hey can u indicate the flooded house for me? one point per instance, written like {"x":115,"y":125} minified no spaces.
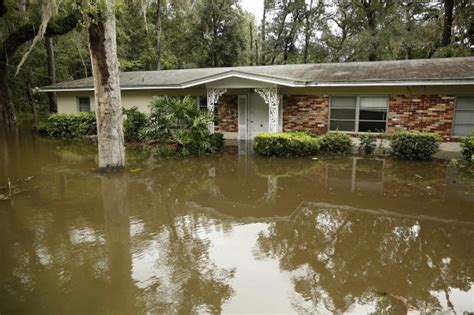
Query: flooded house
{"x":432,"y":95}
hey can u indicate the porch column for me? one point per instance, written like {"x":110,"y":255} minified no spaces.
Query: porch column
{"x":270,"y":96}
{"x":212,"y":99}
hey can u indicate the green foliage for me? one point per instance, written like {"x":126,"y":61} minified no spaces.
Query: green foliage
{"x":336,"y":142}
{"x":414,"y":145}
{"x":368,"y":143}
{"x":467,"y":146}
{"x":133,"y":123}
{"x":286,"y":144}
{"x":180,"y":122}
{"x":68,"y":126}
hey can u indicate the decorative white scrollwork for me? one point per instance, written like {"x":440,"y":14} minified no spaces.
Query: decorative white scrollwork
{"x":213,"y":96}
{"x":270,"y":96}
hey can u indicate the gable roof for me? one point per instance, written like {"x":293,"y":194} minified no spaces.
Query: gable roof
{"x":442,"y":71}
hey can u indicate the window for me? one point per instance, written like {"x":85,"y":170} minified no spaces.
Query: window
{"x":84,"y":104}
{"x":464,"y":116}
{"x":202,"y":102}
{"x":358,"y":113}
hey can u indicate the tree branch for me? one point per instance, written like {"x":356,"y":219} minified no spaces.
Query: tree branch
{"x":57,"y":26}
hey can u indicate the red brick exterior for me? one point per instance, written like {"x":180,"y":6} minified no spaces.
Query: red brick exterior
{"x":306,"y":112}
{"x":227,"y":112}
{"x":429,"y":113}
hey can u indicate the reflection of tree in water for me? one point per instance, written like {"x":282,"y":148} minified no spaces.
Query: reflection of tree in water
{"x":344,"y":257}
{"x":185,"y":279}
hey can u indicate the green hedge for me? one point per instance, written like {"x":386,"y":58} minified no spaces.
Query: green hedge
{"x":414,"y":145}
{"x":68,"y":125}
{"x":336,"y":142}
{"x":286,"y":144}
{"x":467,"y":146}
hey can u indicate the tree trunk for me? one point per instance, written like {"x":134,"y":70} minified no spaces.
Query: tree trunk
{"x":371,"y":25}
{"x":307,"y":32}
{"x":105,"y":69}
{"x":252,"y":53}
{"x":7,"y":111}
{"x":264,"y":17}
{"x":448,"y":22}
{"x":31,"y":98}
{"x":53,"y":104}
{"x":158,"y":34}
{"x":256,"y":52}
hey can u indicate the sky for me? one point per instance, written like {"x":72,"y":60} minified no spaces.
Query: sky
{"x":254,"y":6}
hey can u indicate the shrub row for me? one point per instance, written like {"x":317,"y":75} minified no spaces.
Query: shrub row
{"x":68,"y":125}
{"x":414,"y":145}
{"x":405,"y":145}
{"x":467,"y":146}
{"x":286,"y":144}
{"x":177,"y":126}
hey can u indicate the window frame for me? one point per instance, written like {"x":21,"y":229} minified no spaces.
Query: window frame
{"x":357,"y":114}
{"x":78,"y":100}
{"x":453,"y":123}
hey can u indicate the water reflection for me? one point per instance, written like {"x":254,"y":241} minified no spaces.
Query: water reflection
{"x":232,"y":233}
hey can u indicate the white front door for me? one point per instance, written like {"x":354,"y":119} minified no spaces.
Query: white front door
{"x":257,"y":116}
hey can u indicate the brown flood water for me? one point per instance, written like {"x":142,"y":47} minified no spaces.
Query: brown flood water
{"x":231,"y":233}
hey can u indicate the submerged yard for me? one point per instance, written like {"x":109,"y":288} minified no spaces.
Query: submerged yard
{"x":231,"y":233}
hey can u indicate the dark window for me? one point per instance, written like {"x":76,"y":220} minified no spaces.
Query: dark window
{"x":343,"y":113}
{"x":84,"y":104}
{"x":361,"y":114}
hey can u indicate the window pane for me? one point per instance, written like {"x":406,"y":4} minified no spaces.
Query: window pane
{"x":373,"y":115}
{"x":372,"y":126}
{"x":465,"y":102}
{"x":463,"y":130}
{"x":373,"y":102}
{"x":343,"y":101}
{"x":342,"y":125}
{"x":464,"y":117}
{"x":343,"y":114}
{"x":84,"y":104}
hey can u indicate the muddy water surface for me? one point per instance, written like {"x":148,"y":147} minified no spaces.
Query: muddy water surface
{"x":231,"y":233}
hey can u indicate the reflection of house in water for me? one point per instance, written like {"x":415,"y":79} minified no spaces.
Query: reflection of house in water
{"x":365,"y":175}
{"x":256,"y":187}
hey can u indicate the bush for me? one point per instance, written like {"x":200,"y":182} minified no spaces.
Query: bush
{"x":133,"y":123}
{"x":368,"y":143}
{"x":68,"y":125}
{"x":286,"y":144}
{"x":414,"y":145}
{"x":336,"y":142}
{"x":467,"y":146}
{"x":180,"y":123}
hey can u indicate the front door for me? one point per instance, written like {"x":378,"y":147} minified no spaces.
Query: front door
{"x":258,"y":116}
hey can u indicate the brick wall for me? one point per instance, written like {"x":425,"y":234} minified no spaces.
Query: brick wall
{"x":306,"y":112}
{"x":429,"y":113}
{"x":227,"y":112}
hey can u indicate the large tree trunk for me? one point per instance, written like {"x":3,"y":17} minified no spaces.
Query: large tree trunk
{"x":7,"y":111}
{"x":448,"y":22}
{"x":105,"y":69}
{"x":53,"y":103}
{"x":158,"y":34}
